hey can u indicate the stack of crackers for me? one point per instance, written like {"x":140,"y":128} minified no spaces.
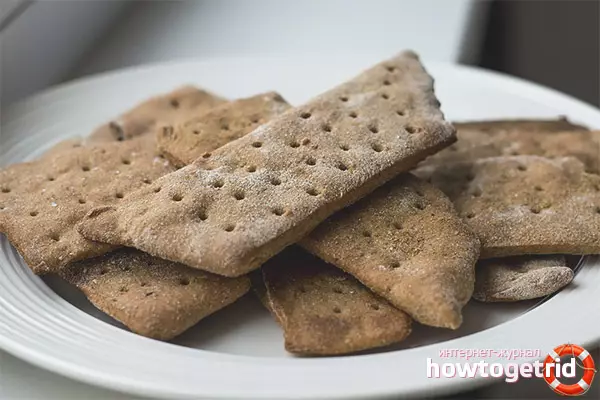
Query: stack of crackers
{"x":178,"y":207}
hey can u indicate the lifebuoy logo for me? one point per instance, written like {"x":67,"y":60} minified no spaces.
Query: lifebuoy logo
{"x":552,"y":370}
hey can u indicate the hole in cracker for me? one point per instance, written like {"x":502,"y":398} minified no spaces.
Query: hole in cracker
{"x":225,"y":127}
{"x":218,"y":184}
{"x":294,"y":144}
{"x":411,"y":129}
{"x":126,"y":268}
{"x":311,"y":161}
{"x":196,"y":132}
{"x":312,"y":191}
{"x":538,"y":188}
{"x":373,"y":129}
{"x":366,"y":234}
{"x":375,"y":307}
{"x":400,"y":113}
{"x":206,"y":155}
{"x":302,"y":289}
{"x":251,"y":168}
{"x":143,"y":284}
{"x":326,"y":127}
{"x":342,"y":167}
{"x":157,"y":189}
{"x":385,"y":96}
{"x":306,"y":141}
{"x":387,"y":83}
{"x":126,"y":161}
{"x":397,"y":225}
{"x":522,"y":168}
{"x":202,"y":215}
{"x":81,"y":201}
{"x":337,"y":310}
{"x":34,"y":213}
{"x":535,"y":209}
{"x":119,"y":195}
{"x":85,"y":168}
{"x":177,"y":197}
{"x":239,"y":195}
{"x":254,"y":120}
{"x":51,"y":179}
{"x":344,"y":98}
{"x":377,"y":147}
{"x":305,"y":115}
{"x":229,"y":228}
{"x":174,"y":103}
{"x":184,"y":281}
{"x":278,"y":211}
{"x":598,"y":210}
{"x":338,"y":290}
{"x":345,"y":147}
{"x":470,"y":215}
{"x":103,"y":271}
{"x":275,"y":181}
{"x":394,"y":264}
{"x":353,"y":114}
{"x":390,"y":68}
{"x":124,"y":289}
{"x":477,"y":192}
{"x":149,"y":294}
{"x":147,"y":181}
{"x":257,"y":144}
{"x":470,"y":176}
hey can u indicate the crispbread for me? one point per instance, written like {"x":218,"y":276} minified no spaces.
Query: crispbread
{"x":153,"y":297}
{"x":230,"y":212}
{"x":521,"y":278}
{"x":524,"y":204}
{"x":42,"y":201}
{"x":324,"y":311}
{"x":186,"y":141}
{"x":552,"y":138}
{"x":163,"y":109}
{"x":406,"y":243}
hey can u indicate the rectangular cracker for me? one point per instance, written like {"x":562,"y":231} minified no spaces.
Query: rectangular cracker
{"x":324,"y":311}
{"x":251,"y":198}
{"x":406,"y":243}
{"x":152,"y":297}
{"x":524,"y":204}
{"x":548,"y":138}
{"x":164,"y":109}
{"x":42,"y":201}
{"x":188,"y":140}
{"x":521,"y":278}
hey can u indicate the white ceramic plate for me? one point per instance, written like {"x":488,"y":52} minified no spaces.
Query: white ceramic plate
{"x":238,"y":353}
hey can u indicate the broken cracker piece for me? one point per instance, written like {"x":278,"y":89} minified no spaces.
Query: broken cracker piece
{"x":164,"y":109}
{"x":324,"y":311}
{"x":251,"y":198}
{"x":185,"y":142}
{"x":524,"y":204}
{"x":42,"y":201}
{"x":521,"y":278}
{"x":406,"y":243}
{"x":152,"y":297}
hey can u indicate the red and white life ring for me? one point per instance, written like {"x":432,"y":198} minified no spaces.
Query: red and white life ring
{"x":584,"y":383}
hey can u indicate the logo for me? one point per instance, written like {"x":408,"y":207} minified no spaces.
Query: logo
{"x":552,"y":369}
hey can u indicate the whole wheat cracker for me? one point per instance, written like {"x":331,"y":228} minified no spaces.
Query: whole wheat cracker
{"x":521,"y":278}
{"x":230,"y":212}
{"x":524,"y":204}
{"x":553,"y":138}
{"x":148,"y":115}
{"x":406,"y":243}
{"x":152,"y":297}
{"x":42,"y":201}
{"x":188,"y":140}
{"x":324,"y":311}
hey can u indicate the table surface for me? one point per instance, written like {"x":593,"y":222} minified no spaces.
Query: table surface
{"x":157,"y":31}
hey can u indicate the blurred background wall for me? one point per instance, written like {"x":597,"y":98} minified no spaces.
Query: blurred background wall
{"x":552,"y":42}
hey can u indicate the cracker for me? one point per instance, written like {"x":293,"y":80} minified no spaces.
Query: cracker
{"x":251,"y":198}
{"x":324,"y":311}
{"x":524,"y":204}
{"x":152,"y":297}
{"x":42,"y":201}
{"x":552,"y":138}
{"x":406,"y":243}
{"x":189,"y":140}
{"x":164,"y":109}
{"x":521,"y":278}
